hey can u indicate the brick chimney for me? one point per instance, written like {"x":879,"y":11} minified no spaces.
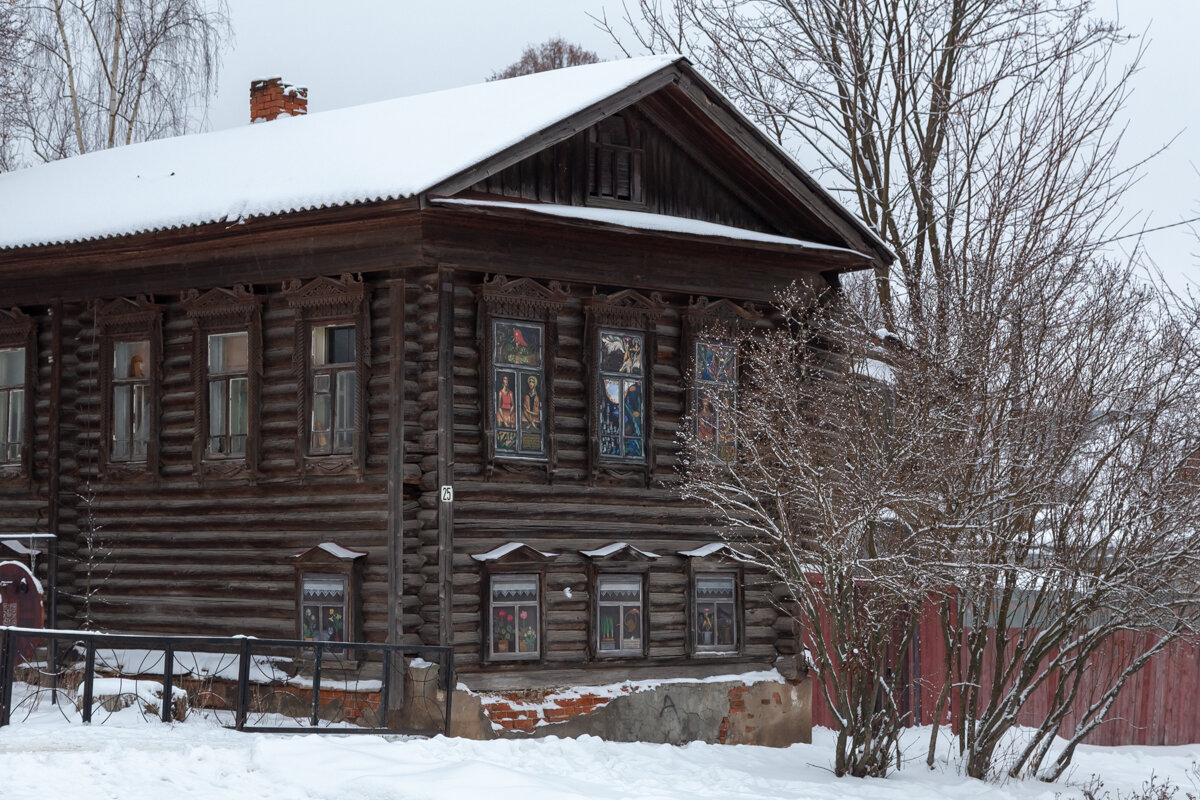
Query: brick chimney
{"x":271,"y":98}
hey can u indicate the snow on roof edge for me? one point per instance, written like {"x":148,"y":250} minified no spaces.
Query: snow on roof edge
{"x":646,"y":221}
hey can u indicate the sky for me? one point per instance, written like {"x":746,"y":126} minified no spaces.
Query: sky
{"x":359,"y":51}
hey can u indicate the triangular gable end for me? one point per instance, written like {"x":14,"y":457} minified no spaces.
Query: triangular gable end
{"x":740,"y":177}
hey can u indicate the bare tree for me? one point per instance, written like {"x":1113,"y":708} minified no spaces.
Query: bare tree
{"x":810,"y":496}
{"x":103,"y":73}
{"x":980,"y":139}
{"x":554,"y":53}
{"x":959,"y":131}
{"x":13,"y":55}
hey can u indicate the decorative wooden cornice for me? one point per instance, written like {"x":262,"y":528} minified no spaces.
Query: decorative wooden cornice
{"x":238,"y":303}
{"x":125,"y":316}
{"x":523,"y":298}
{"x":626,"y":309}
{"x":15,"y":326}
{"x":702,"y":312}
{"x":335,"y":295}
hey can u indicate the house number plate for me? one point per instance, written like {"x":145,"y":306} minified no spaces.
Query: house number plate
{"x":447,"y":494}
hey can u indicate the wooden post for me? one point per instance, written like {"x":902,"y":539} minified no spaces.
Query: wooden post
{"x":395,"y":489}
{"x":445,"y":457}
{"x":54,"y":446}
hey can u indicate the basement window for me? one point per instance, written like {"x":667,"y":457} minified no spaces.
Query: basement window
{"x":619,"y":618}
{"x":715,"y":613}
{"x":515,"y":617}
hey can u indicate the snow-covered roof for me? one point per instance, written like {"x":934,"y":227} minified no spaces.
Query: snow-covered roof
{"x":616,"y":547}
{"x":641,"y":220}
{"x":381,"y":151}
{"x":505,"y":549}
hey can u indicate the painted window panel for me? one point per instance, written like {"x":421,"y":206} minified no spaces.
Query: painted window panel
{"x":715,"y":390}
{"x":515,"y":616}
{"x":622,"y":389}
{"x":619,"y":629}
{"x":716,"y":612}
{"x":518,"y":388}
{"x":131,"y":400}
{"x":323,"y":608}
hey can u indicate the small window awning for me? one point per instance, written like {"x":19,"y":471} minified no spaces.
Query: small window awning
{"x":617,"y":548}
{"x":334,"y":549}
{"x":513,"y":550}
{"x":715,"y":549}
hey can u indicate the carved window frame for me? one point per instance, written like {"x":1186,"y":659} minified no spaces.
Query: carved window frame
{"x":519,"y":300}
{"x":524,"y":562}
{"x":715,"y":565}
{"x":330,"y":301}
{"x":634,"y":151}
{"x":627,"y":562}
{"x":632,"y":312}
{"x":719,"y":322}
{"x":18,"y":331}
{"x":218,"y":311}
{"x":125,"y":320}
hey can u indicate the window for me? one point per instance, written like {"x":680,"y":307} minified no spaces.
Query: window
{"x":334,"y":367}
{"x":716,"y":390}
{"x":331,"y":357}
{"x":621,"y":413}
{"x":619,"y":615}
{"x":615,"y":160}
{"x":228,"y":394}
{"x":518,"y":388}
{"x":715,"y":620}
{"x":323,"y":610}
{"x":130,"y":400}
{"x":515,"y":621}
{"x":12,"y":404}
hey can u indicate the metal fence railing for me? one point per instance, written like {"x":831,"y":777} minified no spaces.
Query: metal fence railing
{"x":258,"y":685}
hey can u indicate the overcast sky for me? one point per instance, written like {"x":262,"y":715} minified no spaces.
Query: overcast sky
{"x":358,"y":51}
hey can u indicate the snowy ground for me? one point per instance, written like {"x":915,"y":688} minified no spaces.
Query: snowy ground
{"x":129,"y":758}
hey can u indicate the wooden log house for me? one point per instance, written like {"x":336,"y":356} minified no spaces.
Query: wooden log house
{"x":439,"y":348}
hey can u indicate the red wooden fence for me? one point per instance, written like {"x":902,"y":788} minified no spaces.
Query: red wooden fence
{"x":1157,"y":706}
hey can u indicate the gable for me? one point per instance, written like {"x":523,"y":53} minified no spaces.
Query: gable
{"x":662,"y":176}
{"x":693,"y":159}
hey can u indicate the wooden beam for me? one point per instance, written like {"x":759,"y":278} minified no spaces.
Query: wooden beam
{"x":445,"y":455}
{"x":395,"y":475}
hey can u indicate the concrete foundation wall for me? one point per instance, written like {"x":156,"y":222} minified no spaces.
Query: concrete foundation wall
{"x":773,"y":713}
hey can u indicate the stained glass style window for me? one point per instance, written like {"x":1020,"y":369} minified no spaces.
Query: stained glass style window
{"x":131,"y":400}
{"x":716,"y":612}
{"x":518,"y":388}
{"x":514,"y":615}
{"x":323,"y":608}
{"x":333,"y":425}
{"x":12,"y":404}
{"x":716,"y":388}
{"x":228,"y":394}
{"x":622,"y":417}
{"x":619,"y":615}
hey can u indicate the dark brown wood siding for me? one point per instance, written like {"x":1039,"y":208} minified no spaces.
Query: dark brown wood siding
{"x":673,"y":181}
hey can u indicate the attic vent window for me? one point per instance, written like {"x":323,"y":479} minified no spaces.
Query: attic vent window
{"x":615,"y":160}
